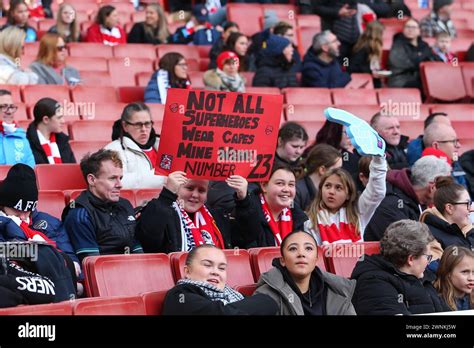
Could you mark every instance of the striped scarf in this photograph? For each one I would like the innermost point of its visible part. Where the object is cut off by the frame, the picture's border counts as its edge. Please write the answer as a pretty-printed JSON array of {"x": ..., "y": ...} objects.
[
  {"x": 226, "y": 296},
  {"x": 50, "y": 148},
  {"x": 334, "y": 228},
  {"x": 283, "y": 227}
]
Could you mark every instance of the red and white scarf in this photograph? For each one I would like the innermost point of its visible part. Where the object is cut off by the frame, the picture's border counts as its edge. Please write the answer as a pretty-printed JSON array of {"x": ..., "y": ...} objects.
[
  {"x": 30, "y": 234},
  {"x": 111, "y": 37},
  {"x": 334, "y": 228},
  {"x": 283, "y": 227},
  {"x": 203, "y": 229},
  {"x": 50, "y": 148}
]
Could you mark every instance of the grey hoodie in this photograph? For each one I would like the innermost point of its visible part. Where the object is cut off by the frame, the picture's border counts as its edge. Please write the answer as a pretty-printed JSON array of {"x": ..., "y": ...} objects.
[{"x": 339, "y": 294}]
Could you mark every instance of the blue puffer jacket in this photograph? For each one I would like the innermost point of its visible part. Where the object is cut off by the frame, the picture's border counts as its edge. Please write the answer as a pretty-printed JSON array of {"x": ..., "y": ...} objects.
[
  {"x": 317, "y": 73},
  {"x": 152, "y": 92},
  {"x": 15, "y": 148},
  {"x": 43, "y": 222}
]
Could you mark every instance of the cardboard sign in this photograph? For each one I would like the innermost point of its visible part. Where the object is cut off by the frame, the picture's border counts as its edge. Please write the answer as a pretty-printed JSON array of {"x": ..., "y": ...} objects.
[{"x": 212, "y": 135}]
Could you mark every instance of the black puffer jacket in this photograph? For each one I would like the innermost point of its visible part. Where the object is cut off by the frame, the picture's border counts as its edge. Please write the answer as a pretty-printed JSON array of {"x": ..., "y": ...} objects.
[
  {"x": 274, "y": 72},
  {"x": 467, "y": 163},
  {"x": 382, "y": 289},
  {"x": 396, "y": 155},
  {"x": 448, "y": 234},
  {"x": 400, "y": 202}
]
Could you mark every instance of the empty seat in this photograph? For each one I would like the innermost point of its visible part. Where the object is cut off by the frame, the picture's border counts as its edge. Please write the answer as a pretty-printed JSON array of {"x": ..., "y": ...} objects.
[
  {"x": 312, "y": 127},
  {"x": 51, "y": 202},
  {"x": 364, "y": 112},
  {"x": 306, "y": 38},
  {"x": 129, "y": 305},
  {"x": 196, "y": 78},
  {"x": 361, "y": 81},
  {"x": 412, "y": 128},
  {"x": 95, "y": 130},
  {"x": 341, "y": 258},
  {"x": 399, "y": 95},
  {"x": 59, "y": 177},
  {"x": 22, "y": 113},
  {"x": 143, "y": 196},
  {"x": 189, "y": 52},
  {"x": 4, "y": 171},
  {"x": 90, "y": 49},
  {"x": 33, "y": 93},
  {"x": 88, "y": 63},
  {"x": 346, "y": 96},
  {"x": 81, "y": 148},
  {"x": 308, "y": 96},
  {"x": 15, "y": 91},
  {"x": 61, "y": 308},
  {"x": 438, "y": 81},
  {"x": 135, "y": 51},
  {"x": 106, "y": 111},
  {"x": 94, "y": 94},
  {"x": 463, "y": 128},
  {"x": 157, "y": 111},
  {"x": 131, "y": 94},
  {"x": 123, "y": 70},
  {"x": 142, "y": 78},
  {"x": 456, "y": 111},
  {"x": 298, "y": 113},
  {"x": 239, "y": 271},
  {"x": 305, "y": 20},
  {"x": 247, "y": 16},
  {"x": 263, "y": 90},
  {"x": 248, "y": 76},
  {"x": 246, "y": 290},
  {"x": 96, "y": 78},
  {"x": 468, "y": 77},
  {"x": 128, "y": 275},
  {"x": 154, "y": 302}
]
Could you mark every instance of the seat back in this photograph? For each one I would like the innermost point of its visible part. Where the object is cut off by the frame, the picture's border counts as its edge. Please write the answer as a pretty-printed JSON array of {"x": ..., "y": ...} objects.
[
  {"x": 128, "y": 275},
  {"x": 82, "y": 148},
  {"x": 126, "y": 305},
  {"x": 154, "y": 301},
  {"x": 61, "y": 308},
  {"x": 246, "y": 290},
  {"x": 59, "y": 176},
  {"x": 438, "y": 80},
  {"x": 342, "y": 258},
  {"x": 51, "y": 202},
  {"x": 99, "y": 130},
  {"x": 143, "y": 196}
]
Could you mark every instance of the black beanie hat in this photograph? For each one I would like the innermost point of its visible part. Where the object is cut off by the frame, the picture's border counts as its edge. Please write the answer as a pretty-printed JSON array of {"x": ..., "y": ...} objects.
[
  {"x": 437, "y": 4},
  {"x": 19, "y": 190}
]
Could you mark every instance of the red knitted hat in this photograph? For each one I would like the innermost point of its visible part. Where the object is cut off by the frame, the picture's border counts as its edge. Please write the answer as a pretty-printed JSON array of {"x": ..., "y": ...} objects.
[{"x": 431, "y": 151}]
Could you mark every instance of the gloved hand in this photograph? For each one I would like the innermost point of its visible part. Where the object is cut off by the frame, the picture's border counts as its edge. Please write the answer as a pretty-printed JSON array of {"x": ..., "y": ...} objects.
[{"x": 364, "y": 138}]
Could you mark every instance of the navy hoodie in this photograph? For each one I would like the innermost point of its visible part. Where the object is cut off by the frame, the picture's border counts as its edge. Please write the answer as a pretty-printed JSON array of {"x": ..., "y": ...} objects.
[{"x": 317, "y": 73}]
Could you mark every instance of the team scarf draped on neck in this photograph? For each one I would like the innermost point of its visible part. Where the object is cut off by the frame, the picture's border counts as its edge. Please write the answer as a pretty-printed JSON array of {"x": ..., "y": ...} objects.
[
  {"x": 50, "y": 148},
  {"x": 226, "y": 296},
  {"x": 335, "y": 228},
  {"x": 283, "y": 227},
  {"x": 30, "y": 234},
  {"x": 203, "y": 230},
  {"x": 8, "y": 128}
]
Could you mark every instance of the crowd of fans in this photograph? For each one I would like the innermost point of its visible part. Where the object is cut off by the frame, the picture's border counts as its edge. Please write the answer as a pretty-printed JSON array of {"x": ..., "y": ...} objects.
[{"x": 416, "y": 199}]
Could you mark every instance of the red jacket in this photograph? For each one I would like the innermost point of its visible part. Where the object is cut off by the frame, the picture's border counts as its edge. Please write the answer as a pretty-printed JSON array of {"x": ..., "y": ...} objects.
[{"x": 98, "y": 33}]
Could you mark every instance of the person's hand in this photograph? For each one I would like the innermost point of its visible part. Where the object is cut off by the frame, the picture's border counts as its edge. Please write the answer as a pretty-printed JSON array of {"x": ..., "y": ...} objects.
[
  {"x": 175, "y": 180},
  {"x": 239, "y": 184},
  {"x": 345, "y": 11}
]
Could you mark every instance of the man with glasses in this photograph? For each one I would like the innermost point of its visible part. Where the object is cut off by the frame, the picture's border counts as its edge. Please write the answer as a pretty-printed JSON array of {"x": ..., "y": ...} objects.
[
  {"x": 442, "y": 137},
  {"x": 14, "y": 146}
]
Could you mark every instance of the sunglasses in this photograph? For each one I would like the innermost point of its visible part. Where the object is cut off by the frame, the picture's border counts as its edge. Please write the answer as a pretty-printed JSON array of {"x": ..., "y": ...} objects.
[{"x": 61, "y": 48}]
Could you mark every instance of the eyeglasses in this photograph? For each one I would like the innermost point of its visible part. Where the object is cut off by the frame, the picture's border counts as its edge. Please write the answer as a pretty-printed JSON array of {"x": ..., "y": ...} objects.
[
  {"x": 139, "y": 125},
  {"x": 428, "y": 257},
  {"x": 454, "y": 141},
  {"x": 467, "y": 203},
  {"x": 61, "y": 48},
  {"x": 183, "y": 65},
  {"x": 8, "y": 108},
  {"x": 411, "y": 27}
]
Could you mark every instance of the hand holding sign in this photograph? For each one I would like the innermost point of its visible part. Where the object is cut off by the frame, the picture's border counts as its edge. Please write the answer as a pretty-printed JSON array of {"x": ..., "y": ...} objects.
[
  {"x": 175, "y": 180},
  {"x": 239, "y": 184},
  {"x": 364, "y": 138}
]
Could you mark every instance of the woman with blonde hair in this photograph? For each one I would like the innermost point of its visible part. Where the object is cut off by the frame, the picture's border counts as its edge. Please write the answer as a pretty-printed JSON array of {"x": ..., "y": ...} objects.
[
  {"x": 367, "y": 52},
  {"x": 337, "y": 215},
  {"x": 456, "y": 278},
  {"x": 50, "y": 64},
  {"x": 153, "y": 30},
  {"x": 66, "y": 25},
  {"x": 11, "y": 46}
]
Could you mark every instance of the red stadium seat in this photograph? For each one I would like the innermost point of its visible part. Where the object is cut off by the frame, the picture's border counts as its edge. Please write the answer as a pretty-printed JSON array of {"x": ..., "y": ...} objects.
[
  {"x": 93, "y": 94},
  {"x": 463, "y": 128},
  {"x": 438, "y": 81},
  {"x": 51, "y": 202},
  {"x": 239, "y": 271},
  {"x": 157, "y": 112},
  {"x": 306, "y": 38},
  {"x": 204, "y": 51},
  {"x": 196, "y": 78},
  {"x": 263, "y": 90},
  {"x": 468, "y": 77},
  {"x": 88, "y": 63},
  {"x": 361, "y": 81},
  {"x": 412, "y": 128},
  {"x": 33, "y": 93},
  {"x": 246, "y": 290},
  {"x": 341, "y": 258},
  {"x": 248, "y": 76},
  {"x": 131, "y": 94},
  {"x": 399, "y": 95},
  {"x": 298, "y": 113},
  {"x": 31, "y": 48},
  {"x": 143, "y": 196},
  {"x": 308, "y": 96},
  {"x": 305, "y": 20},
  {"x": 312, "y": 127},
  {"x": 466, "y": 145},
  {"x": 247, "y": 16},
  {"x": 105, "y": 111},
  {"x": 4, "y": 171},
  {"x": 364, "y": 112},
  {"x": 96, "y": 78},
  {"x": 91, "y": 130},
  {"x": 154, "y": 302},
  {"x": 81, "y": 148},
  {"x": 22, "y": 112},
  {"x": 458, "y": 112},
  {"x": 123, "y": 70},
  {"x": 142, "y": 78},
  {"x": 15, "y": 90},
  {"x": 345, "y": 96},
  {"x": 61, "y": 308},
  {"x": 135, "y": 51},
  {"x": 189, "y": 52},
  {"x": 46, "y": 23},
  {"x": 59, "y": 177},
  {"x": 128, "y": 275},
  {"x": 129, "y": 305},
  {"x": 90, "y": 49}
]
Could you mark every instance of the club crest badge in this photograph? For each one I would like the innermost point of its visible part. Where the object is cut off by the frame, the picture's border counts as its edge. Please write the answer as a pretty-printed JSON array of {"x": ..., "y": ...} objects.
[{"x": 166, "y": 161}]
